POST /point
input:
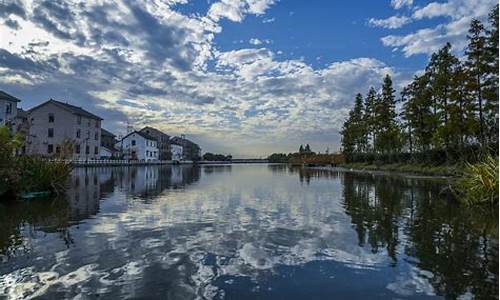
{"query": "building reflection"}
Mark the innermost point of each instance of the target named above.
(87, 188)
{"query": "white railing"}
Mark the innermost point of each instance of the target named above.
(117, 162)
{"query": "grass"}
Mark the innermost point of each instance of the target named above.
(478, 184)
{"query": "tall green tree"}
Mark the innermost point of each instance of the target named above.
(441, 70)
(491, 83)
(418, 112)
(370, 125)
(463, 123)
(353, 130)
(477, 66)
(388, 139)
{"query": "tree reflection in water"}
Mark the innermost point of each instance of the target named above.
(457, 244)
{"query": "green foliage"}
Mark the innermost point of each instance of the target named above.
(278, 158)
(479, 183)
(216, 157)
(25, 173)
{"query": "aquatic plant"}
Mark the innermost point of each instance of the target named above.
(479, 183)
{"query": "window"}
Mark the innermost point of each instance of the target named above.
(51, 118)
(50, 148)
(133, 142)
(78, 120)
(77, 149)
(96, 136)
(87, 149)
(147, 153)
(96, 150)
(8, 108)
(78, 133)
(58, 149)
(50, 132)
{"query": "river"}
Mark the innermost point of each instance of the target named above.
(246, 232)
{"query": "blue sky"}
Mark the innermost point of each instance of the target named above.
(247, 77)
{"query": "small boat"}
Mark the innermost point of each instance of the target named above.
(34, 195)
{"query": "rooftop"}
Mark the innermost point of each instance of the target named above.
(72, 108)
(143, 134)
(5, 96)
(107, 133)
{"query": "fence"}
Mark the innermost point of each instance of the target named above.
(118, 162)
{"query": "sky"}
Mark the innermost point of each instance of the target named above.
(240, 77)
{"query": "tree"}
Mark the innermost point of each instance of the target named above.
(441, 70)
(353, 130)
(301, 149)
(491, 82)
(307, 149)
(463, 123)
(388, 139)
(418, 112)
(369, 117)
(477, 67)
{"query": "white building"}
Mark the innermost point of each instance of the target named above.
(8, 108)
(138, 146)
(176, 151)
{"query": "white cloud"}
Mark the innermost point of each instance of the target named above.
(397, 4)
(235, 10)
(391, 22)
(256, 42)
(427, 40)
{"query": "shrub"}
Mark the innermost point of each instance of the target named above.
(26, 173)
(38, 174)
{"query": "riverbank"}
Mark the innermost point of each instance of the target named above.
(413, 169)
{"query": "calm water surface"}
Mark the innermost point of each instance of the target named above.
(246, 232)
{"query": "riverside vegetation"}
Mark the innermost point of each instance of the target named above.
(24, 174)
(447, 122)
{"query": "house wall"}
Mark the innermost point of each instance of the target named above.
(163, 142)
(105, 153)
(176, 152)
(65, 127)
(8, 111)
(141, 148)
